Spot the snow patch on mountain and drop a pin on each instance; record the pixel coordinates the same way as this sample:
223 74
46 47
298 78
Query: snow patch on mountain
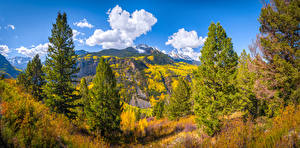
185 53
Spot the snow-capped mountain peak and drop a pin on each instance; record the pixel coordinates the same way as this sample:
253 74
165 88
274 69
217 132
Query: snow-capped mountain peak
19 62
185 53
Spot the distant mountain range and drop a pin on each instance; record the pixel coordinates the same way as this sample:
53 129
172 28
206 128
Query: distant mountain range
80 52
7 69
140 50
19 62
9 65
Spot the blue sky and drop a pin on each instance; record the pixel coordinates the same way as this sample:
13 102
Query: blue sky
32 21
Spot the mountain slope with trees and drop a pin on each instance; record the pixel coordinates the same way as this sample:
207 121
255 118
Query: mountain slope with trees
6 69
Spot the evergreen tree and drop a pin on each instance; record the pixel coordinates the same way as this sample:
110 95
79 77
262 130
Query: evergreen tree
278 63
105 108
33 78
85 97
214 89
36 76
22 80
245 84
180 103
61 68
2 77
84 92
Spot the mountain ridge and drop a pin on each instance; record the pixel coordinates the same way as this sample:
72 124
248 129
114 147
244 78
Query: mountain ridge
7 69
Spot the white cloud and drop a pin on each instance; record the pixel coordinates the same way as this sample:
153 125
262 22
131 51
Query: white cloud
4 50
183 39
75 34
109 39
40 49
184 43
83 23
11 27
125 28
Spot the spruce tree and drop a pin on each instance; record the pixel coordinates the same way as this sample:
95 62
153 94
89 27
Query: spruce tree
33 78
105 108
214 90
278 57
61 68
180 103
245 84
84 92
22 80
36 76
84 100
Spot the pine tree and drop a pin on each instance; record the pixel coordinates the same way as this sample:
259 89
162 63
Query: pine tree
214 90
36 75
84 100
22 80
61 68
105 108
278 59
180 103
84 92
245 84
33 78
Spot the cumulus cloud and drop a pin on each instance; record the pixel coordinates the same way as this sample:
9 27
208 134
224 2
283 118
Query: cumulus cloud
83 24
125 28
76 34
109 39
4 50
11 27
184 43
40 49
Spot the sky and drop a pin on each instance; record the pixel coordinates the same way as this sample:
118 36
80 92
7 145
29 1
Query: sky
172 26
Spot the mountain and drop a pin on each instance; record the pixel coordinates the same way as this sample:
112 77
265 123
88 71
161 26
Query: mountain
80 52
7 69
19 62
149 55
184 56
193 62
140 50
143 73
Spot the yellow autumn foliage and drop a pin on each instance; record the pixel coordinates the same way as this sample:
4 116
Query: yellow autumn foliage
151 58
143 123
128 120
